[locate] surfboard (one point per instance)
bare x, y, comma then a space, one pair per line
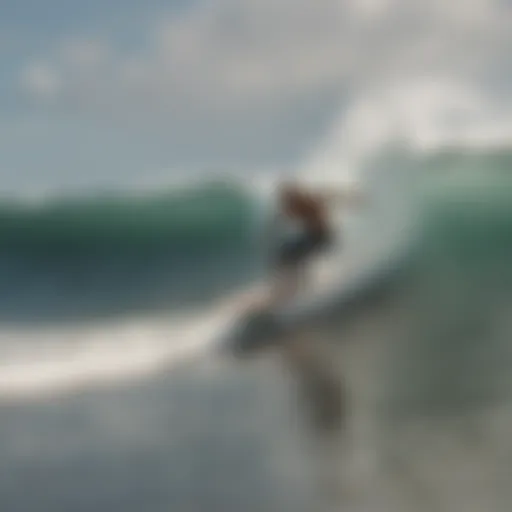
372, 245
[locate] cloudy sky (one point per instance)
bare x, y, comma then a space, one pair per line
99, 92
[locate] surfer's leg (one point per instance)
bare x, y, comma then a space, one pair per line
285, 284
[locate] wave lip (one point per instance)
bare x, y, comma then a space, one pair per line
218, 210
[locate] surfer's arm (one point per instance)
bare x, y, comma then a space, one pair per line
352, 197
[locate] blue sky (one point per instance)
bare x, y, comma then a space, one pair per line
97, 93
53, 134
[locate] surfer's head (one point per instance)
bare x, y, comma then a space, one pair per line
289, 193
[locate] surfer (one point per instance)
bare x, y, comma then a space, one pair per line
324, 399
308, 210
323, 396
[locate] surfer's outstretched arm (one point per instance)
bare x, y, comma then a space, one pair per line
351, 197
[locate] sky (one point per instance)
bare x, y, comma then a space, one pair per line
99, 93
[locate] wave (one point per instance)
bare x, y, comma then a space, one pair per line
219, 212
70, 258
461, 271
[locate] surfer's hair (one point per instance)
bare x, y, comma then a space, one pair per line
288, 190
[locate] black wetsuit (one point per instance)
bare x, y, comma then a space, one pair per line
297, 249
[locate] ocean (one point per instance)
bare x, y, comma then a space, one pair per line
99, 293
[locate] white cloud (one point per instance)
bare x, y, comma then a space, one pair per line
241, 57
85, 55
41, 80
